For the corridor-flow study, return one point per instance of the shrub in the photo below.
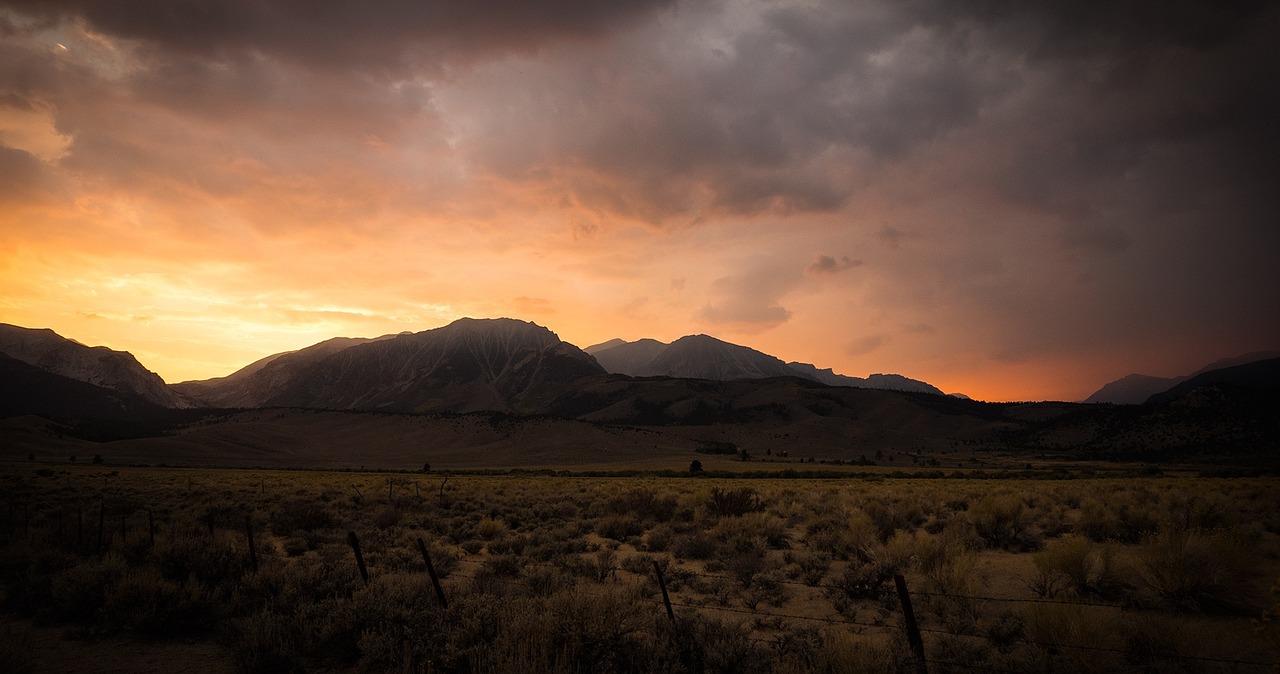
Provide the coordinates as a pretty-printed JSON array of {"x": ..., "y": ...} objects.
[
  {"x": 733, "y": 502},
  {"x": 387, "y": 516},
  {"x": 490, "y": 528},
  {"x": 659, "y": 538},
  {"x": 694, "y": 546},
  {"x": 1079, "y": 565},
  {"x": 619, "y": 527},
  {"x": 1048, "y": 624},
  {"x": 1002, "y": 520},
  {"x": 866, "y": 580},
  {"x": 1199, "y": 571},
  {"x": 813, "y": 566}
]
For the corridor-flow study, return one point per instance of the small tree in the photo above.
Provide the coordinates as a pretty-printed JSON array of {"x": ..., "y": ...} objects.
[
  {"x": 695, "y": 466},
  {"x": 97, "y": 459},
  {"x": 426, "y": 467}
]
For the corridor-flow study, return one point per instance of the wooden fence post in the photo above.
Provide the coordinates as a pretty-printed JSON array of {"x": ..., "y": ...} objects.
[
  {"x": 909, "y": 621},
  {"x": 662, "y": 585},
  {"x": 355, "y": 547},
  {"x": 431, "y": 571},
  {"x": 151, "y": 528}
]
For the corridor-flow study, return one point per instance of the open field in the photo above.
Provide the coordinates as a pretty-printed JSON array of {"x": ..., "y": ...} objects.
[{"x": 560, "y": 573}]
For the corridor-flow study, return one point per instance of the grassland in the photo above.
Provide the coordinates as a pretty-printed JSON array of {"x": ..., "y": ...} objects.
[{"x": 559, "y": 573}]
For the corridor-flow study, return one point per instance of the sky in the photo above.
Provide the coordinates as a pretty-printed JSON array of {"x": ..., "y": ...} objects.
[{"x": 1017, "y": 201}]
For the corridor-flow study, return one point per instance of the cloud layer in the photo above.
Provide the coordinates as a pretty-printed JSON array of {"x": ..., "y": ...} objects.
[{"x": 1014, "y": 201}]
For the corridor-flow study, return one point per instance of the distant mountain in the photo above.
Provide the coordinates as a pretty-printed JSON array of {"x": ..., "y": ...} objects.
[
  {"x": 27, "y": 389},
  {"x": 469, "y": 365},
  {"x": 888, "y": 382},
  {"x": 1135, "y": 389},
  {"x": 115, "y": 370},
  {"x": 629, "y": 358},
  {"x": 703, "y": 357},
  {"x": 262, "y": 380},
  {"x": 1261, "y": 375},
  {"x": 1132, "y": 389}
]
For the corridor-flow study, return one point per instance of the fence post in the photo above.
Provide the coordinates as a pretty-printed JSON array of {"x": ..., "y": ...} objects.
[
  {"x": 355, "y": 547},
  {"x": 151, "y": 528},
  {"x": 662, "y": 584},
  {"x": 431, "y": 571},
  {"x": 909, "y": 621},
  {"x": 253, "y": 548}
]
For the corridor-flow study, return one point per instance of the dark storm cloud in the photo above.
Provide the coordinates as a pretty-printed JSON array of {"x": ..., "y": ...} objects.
[
  {"x": 789, "y": 114},
  {"x": 389, "y": 36}
]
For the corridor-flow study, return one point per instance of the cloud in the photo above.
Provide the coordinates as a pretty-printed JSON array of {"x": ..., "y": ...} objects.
[
  {"x": 826, "y": 264},
  {"x": 382, "y": 38},
  {"x": 864, "y": 345},
  {"x": 750, "y": 300},
  {"x": 1052, "y": 180},
  {"x": 533, "y": 305}
]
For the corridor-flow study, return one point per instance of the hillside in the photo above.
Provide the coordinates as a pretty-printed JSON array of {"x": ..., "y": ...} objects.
[{"x": 115, "y": 370}]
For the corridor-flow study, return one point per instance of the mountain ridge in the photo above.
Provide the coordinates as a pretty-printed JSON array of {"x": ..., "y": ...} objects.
[
  {"x": 97, "y": 365},
  {"x": 706, "y": 357},
  {"x": 1135, "y": 389}
]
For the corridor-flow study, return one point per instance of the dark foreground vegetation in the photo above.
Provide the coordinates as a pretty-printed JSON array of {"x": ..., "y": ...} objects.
[{"x": 542, "y": 573}]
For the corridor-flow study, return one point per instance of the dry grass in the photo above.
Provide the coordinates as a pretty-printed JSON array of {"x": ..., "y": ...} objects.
[{"x": 556, "y": 573}]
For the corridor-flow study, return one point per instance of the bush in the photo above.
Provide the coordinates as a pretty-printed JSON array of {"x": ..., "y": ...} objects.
[
  {"x": 1002, "y": 520},
  {"x": 1078, "y": 565},
  {"x": 733, "y": 502},
  {"x": 694, "y": 546},
  {"x": 490, "y": 528},
  {"x": 1199, "y": 571}
]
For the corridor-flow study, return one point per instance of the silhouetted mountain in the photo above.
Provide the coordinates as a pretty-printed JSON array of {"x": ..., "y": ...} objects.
[
  {"x": 97, "y": 365},
  {"x": 1135, "y": 389},
  {"x": 887, "y": 382},
  {"x": 264, "y": 379},
  {"x": 703, "y": 357},
  {"x": 469, "y": 365},
  {"x": 1131, "y": 389},
  {"x": 27, "y": 389},
  {"x": 1260, "y": 375},
  {"x": 629, "y": 358}
]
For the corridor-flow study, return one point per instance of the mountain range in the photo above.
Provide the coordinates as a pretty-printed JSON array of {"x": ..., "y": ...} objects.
[
  {"x": 1135, "y": 389},
  {"x": 639, "y": 399},
  {"x": 705, "y": 357}
]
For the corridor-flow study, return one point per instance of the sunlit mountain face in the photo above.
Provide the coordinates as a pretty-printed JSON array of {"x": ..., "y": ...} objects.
[{"x": 1017, "y": 203}]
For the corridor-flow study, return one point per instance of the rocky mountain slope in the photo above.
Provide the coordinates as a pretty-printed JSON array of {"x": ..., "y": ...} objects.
[
  {"x": 469, "y": 365},
  {"x": 115, "y": 370},
  {"x": 262, "y": 380}
]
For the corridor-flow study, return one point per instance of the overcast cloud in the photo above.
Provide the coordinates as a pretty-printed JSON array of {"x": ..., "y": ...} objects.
[{"x": 1061, "y": 193}]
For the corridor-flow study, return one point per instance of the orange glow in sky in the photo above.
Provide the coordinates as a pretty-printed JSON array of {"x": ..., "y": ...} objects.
[{"x": 1016, "y": 207}]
